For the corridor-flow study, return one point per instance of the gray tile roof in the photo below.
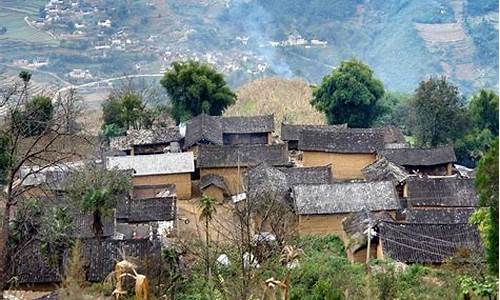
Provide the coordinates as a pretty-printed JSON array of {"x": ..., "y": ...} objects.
[
  {"x": 203, "y": 129},
  {"x": 308, "y": 175},
  {"x": 427, "y": 243},
  {"x": 215, "y": 156},
  {"x": 207, "y": 129},
  {"x": 256, "y": 124},
  {"x": 156, "y": 164},
  {"x": 439, "y": 215},
  {"x": 213, "y": 179},
  {"x": 135, "y": 137},
  {"x": 350, "y": 140},
  {"x": 441, "y": 191},
  {"x": 419, "y": 157},
  {"x": 382, "y": 169},
  {"x": 264, "y": 179},
  {"x": 345, "y": 197},
  {"x": 292, "y": 132}
]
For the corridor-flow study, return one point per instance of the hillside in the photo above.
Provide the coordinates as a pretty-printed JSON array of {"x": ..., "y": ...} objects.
[
  {"x": 403, "y": 41},
  {"x": 287, "y": 98}
]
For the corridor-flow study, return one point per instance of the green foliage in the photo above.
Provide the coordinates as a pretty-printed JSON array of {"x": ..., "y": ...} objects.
[
  {"x": 437, "y": 113},
  {"x": 34, "y": 118},
  {"x": 123, "y": 111},
  {"x": 207, "y": 206},
  {"x": 487, "y": 187},
  {"x": 482, "y": 129},
  {"x": 26, "y": 220},
  {"x": 482, "y": 220},
  {"x": 484, "y": 110},
  {"x": 196, "y": 88},
  {"x": 396, "y": 108},
  {"x": 96, "y": 190},
  {"x": 350, "y": 95},
  {"x": 484, "y": 288}
]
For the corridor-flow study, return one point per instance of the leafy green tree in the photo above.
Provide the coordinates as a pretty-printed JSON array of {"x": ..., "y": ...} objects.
[
  {"x": 35, "y": 117},
  {"x": 125, "y": 110},
  {"x": 484, "y": 110},
  {"x": 396, "y": 107},
  {"x": 487, "y": 187},
  {"x": 483, "y": 128},
  {"x": 96, "y": 190},
  {"x": 350, "y": 95},
  {"x": 196, "y": 88},
  {"x": 437, "y": 113}
]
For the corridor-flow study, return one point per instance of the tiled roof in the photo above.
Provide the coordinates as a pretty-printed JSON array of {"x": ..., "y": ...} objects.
[
  {"x": 207, "y": 129},
  {"x": 214, "y": 156},
  {"x": 345, "y": 197},
  {"x": 135, "y": 137},
  {"x": 382, "y": 169},
  {"x": 256, "y": 124},
  {"x": 213, "y": 179},
  {"x": 156, "y": 164},
  {"x": 290, "y": 132},
  {"x": 438, "y": 215},
  {"x": 441, "y": 191},
  {"x": 427, "y": 243},
  {"x": 350, "y": 140},
  {"x": 419, "y": 157}
]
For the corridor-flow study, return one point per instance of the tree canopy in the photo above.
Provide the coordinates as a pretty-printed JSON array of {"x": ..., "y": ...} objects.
[
  {"x": 437, "y": 113},
  {"x": 34, "y": 117},
  {"x": 96, "y": 190},
  {"x": 350, "y": 95},
  {"x": 487, "y": 187},
  {"x": 484, "y": 110},
  {"x": 196, "y": 88}
]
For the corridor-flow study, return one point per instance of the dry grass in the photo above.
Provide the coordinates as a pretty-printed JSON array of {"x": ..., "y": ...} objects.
[{"x": 287, "y": 99}]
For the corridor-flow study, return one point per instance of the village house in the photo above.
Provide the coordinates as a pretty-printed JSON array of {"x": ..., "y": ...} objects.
[
  {"x": 148, "y": 141},
  {"x": 153, "y": 173},
  {"x": 348, "y": 151},
  {"x": 431, "y": 161},
  {"x": 321, "y": 208},
  {"x": 290, "y": 133},
  {"x": 143, "y": 217},
  {"x": 231, "y": 162},
  {"x": 426, "y": 243},
  {"x": 356, "y": 227},
  {"x": 265, "y": 180},
  {"x": 214, "y": 186},
  {"x": 205, "y": 129}
]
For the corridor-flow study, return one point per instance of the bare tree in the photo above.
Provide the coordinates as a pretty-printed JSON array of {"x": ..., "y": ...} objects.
[{"x": 42, "y": 150}]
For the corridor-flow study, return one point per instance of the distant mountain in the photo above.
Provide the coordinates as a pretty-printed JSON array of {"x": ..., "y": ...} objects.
[{"x": 404, "y": 41}]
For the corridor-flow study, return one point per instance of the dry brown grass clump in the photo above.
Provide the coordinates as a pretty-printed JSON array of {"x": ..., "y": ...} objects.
[{"x": 287, "y": 99}]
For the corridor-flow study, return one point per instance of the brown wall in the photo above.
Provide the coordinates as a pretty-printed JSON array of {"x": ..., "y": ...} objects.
[
  {"x": 230, "y": 176},
  {"x": 214, "y": 192},
  {"x": 322, "y": 224},
  {"x": 222, "y": 228},
  {"x": 182, "y": 182},
  {"x": 344, "y": 165}
]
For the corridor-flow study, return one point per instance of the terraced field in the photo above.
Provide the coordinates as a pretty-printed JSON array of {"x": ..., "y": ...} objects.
[{"x": 12, "y": 14}]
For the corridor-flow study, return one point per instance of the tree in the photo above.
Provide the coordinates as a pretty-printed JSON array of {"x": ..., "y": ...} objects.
[
  {"x": 350, "y": 95},
  {"x": 96, "y": 190},
  {"x": 44, "y": 149},
  {"x": 196, "y": 88},
  {"x": 483, "y": 114},
  {"x": 33, "y": 118},
  {"x": 484, "y": 110},
  {"x": 207, "y": 211},
  {"x": 125, "y": 110},
  {"x": 487, "y": 187},
  {"x": 437, "y": 113}
]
